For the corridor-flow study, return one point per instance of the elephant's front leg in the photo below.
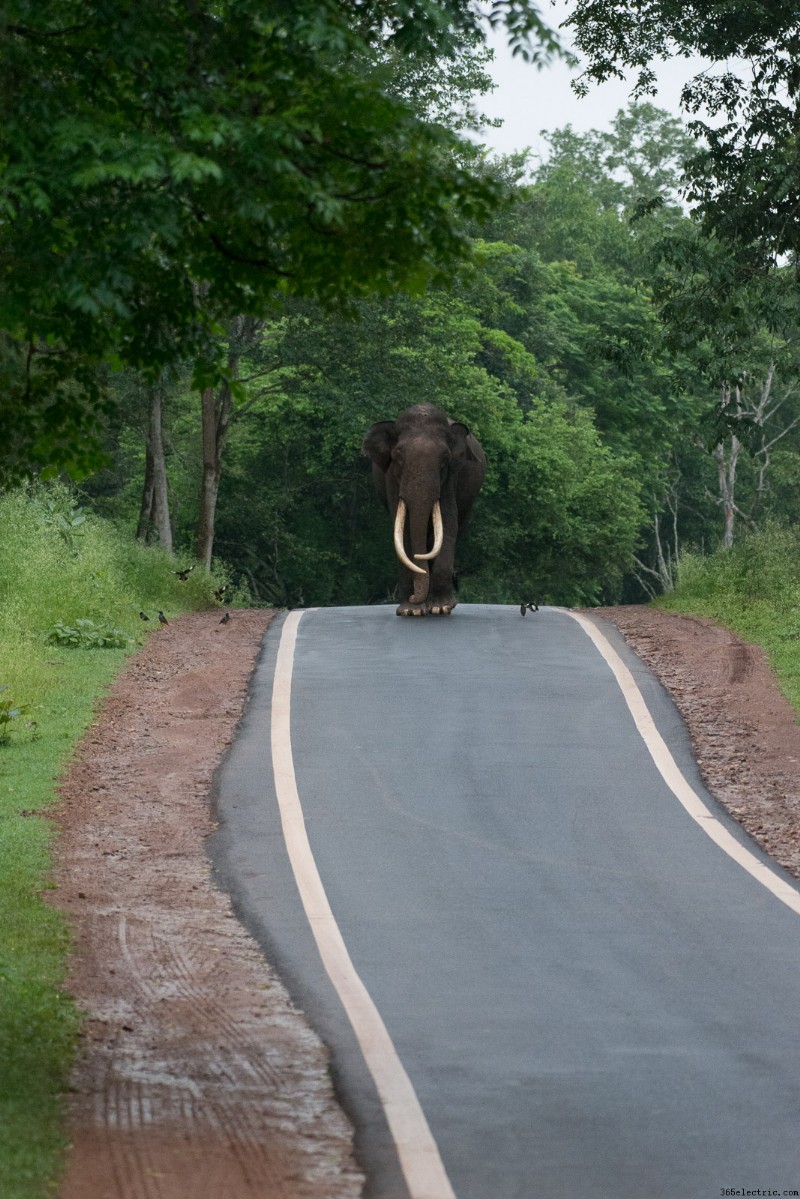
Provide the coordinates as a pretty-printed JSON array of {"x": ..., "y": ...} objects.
[
  {"x": 442, "y": 598},
  {"x": 410, "y": 587},
  {"x": 442, "y": 593}
]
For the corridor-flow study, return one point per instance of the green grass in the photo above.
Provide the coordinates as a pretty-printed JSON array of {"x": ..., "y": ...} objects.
[
  {"x": 53, "y": 566},
  {"x": 753, "y": 589}
]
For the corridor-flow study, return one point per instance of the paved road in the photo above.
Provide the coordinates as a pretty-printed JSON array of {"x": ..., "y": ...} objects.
[{"x": 590, "y": 998}]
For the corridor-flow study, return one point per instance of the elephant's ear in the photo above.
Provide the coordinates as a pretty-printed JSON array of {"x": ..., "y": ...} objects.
[
  {"x": 462, "y": 443},
  {"x": 379, "y": 442}
]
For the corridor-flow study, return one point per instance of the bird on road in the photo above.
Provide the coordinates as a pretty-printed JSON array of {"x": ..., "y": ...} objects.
[
  {"x": 530, "y": 607},
  {"x": 162, "y": 618},
  {"x": 225, "y": 618}
]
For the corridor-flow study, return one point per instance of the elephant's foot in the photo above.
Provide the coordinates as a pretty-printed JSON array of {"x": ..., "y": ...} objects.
[
  {"x": 412, "y": 609},
  {"x": 443, "y": 606}
]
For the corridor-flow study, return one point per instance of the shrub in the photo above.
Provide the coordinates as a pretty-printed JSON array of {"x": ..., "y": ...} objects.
[{"x": 88, "y": 635}]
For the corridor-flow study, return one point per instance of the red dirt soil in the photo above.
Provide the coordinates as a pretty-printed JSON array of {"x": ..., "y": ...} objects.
[{"x": 196, "y": 1077}]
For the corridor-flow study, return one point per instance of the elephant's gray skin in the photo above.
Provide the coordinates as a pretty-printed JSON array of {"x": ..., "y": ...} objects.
[{"x": 422, "y": 457}]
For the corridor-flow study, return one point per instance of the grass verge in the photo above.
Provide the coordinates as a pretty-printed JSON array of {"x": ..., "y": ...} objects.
[
  {"x": 753, "y": 589},
  {"x": 56, "y": 565}
]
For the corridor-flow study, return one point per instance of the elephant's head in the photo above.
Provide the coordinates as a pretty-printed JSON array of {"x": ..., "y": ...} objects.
[{"x": 419, "y": 456}]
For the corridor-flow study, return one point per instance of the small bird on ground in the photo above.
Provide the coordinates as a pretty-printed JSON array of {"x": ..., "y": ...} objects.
[
  {"x": 183, "y": 575},
  {"x": 162, "y": 618},
  {"x": 220, "y": 591},
  {"x": 523, "y": 608},
  {"x": 225, "y": 618},
  {"x": 143, "y": 616}
]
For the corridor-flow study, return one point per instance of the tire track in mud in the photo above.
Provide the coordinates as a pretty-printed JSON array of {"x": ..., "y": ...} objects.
[
  {"x": 196, "y": 1076},
  {"x": 178, "y": 979}
]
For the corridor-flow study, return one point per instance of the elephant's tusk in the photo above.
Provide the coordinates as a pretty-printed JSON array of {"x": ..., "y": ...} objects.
[
  {"x": 438, "y": 535},
  {"x": 399, "y": 529}
]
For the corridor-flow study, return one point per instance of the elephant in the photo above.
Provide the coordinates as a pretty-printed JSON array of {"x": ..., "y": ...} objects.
[{"x": 427, "y": 471}]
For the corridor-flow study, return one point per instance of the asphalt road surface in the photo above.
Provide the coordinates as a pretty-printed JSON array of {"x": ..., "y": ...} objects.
[{"x": 588, "y": 996}]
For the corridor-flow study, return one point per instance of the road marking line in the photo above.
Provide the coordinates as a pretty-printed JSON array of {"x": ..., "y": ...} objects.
[
  {"x": 671, "y": 773},
  {"x": 419, "y": 1157}
]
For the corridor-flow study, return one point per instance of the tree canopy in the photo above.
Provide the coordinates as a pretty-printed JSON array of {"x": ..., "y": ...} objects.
[
  {"x": 745, "y": 174},
  {"x": 171, "y": 164},
  {"x": 234, "y": 235}
]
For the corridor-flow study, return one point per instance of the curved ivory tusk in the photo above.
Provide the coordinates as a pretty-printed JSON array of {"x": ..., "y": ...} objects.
[
  {"x": 438, "y": 535},
  {"x": 399, "y": 527}
]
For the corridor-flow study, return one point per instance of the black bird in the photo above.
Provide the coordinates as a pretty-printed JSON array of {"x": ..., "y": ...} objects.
[
  {"x": 220, "y": 591},
  {"x": 523, "y": 608},
  {"x": 143, "y": 616},
  {"x": 183, "y": 575},
  {"x": 225, "y": 618},
  {"x": 162, "y": 618}
]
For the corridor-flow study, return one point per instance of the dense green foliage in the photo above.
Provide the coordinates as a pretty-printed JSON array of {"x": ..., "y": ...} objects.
[
  {"x": 634, "y": 384},
  {"x": 744, "y": 174},
  {"x": 52, "y": 568},
  {"x": 559, "y": 516},
  {"x": 169, "y": 165},
  {"x": 583, "y": 346}
]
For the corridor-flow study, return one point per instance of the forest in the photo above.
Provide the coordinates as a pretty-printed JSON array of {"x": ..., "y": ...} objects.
[
  {"x": 636, "y": 385},
  {"x": 634, "y": 381}
]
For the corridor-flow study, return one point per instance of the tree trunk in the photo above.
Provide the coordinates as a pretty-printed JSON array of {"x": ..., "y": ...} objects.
[
  {"x": 726, "y": 475},
  {"x": 215, "y": 409},
  {"x": 154, "y": 509},
  {"x": 161, "y": 521},
  {"x": 726, "y": 469},
  {"x": 148, "y": 488},
  {"x": 217, "y": 413},
  {"x": 663, "y": 560}
]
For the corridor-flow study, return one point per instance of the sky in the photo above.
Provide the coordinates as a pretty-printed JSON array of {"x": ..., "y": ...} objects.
[{"x": 529, "y": 99}]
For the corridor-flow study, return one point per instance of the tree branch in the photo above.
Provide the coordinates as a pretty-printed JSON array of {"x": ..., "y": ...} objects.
[
  {"x": 33, "y": 34},
  {"x": 245, "y": 259}
]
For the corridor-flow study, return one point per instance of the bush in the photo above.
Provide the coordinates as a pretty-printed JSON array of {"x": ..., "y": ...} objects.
[
  {"x": 754, "y": 589},
  {"x": 88, "y": 635},
  {"x": 58, "y": 564},
  {"x": 762, "y": 566}
]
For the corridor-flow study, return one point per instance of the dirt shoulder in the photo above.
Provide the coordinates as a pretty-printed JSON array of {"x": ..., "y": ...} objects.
[{"x": 196, "y": 1076}]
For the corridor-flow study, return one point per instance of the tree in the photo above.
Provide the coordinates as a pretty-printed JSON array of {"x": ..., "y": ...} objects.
[
  {"x": 175, "y": 164},
  {"x": 737, "y": 339},
  {"x": 745, "y": 174},
  {"x": 638, "y": 158},
  {"x": 579, "y": 278},
  {"x": 154, "y": 511},
  {"x": 250, "y": 344}
]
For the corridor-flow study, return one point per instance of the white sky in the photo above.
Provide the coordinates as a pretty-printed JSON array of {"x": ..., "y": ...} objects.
[{"x": 529, "y": 99}]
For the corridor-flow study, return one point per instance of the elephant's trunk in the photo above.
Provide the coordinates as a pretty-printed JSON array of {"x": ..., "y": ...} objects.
[
  {"x": 420, "y": 523},
  {"x": 438, "y": 535}
]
